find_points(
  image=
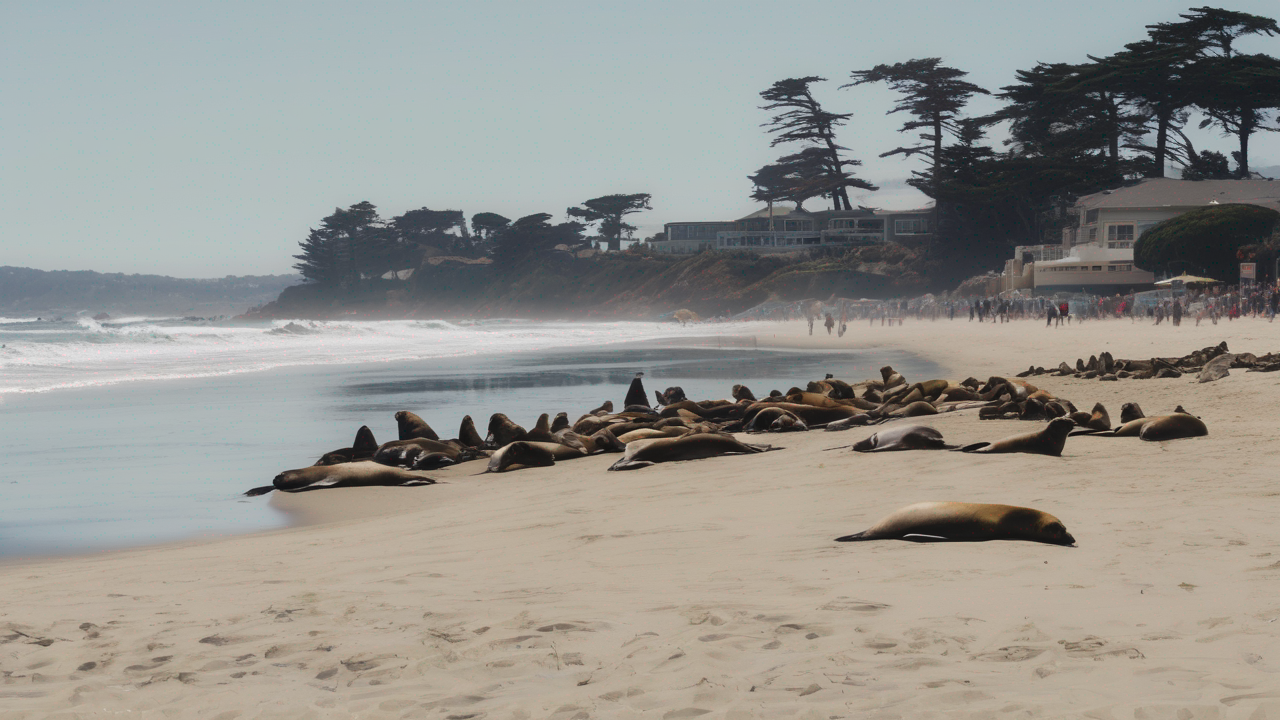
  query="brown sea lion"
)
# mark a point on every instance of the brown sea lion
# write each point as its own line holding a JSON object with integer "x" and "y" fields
{"x": 607, "y": 407}
{"x": 561, "y": 422}
{"x": 411, "y": 426}
{"x": 809, "y": 414}
{"x": 849, "y": 423}
{"x": 525, "y": 454}
{"x": 467, "y": 433}
{"x": 742, "y": 392}
{"x": 644, "y": 453}
{"x": 1049, "y": 440}
{"x": 541, "y": 431}
{"x": 502, "y": 431}
{"x": 650, "y": 433}
{"x": 361, "y": 473}
{"x": 766, "y": 419}
{"x": 1098, "y": 419}
{"x": 966, "y": 522}
{"x": 1173, "y": 427}
{"x": 362, "y": 448}
{"x": 891, "y": 377}
{"x": 903, "y": 437}
{"x": 916, "y": 409}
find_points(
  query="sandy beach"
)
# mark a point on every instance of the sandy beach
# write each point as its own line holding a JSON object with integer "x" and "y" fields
{"x": 714, "y": 587}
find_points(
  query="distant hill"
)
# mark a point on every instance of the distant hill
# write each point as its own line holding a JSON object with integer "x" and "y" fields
{"x": 25, "y": 291}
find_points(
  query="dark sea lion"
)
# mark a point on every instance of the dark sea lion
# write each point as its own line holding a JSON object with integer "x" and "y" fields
{"x": 607, "y": 407}
{"x": 1054, "y": 409}
{"x": 1049, "y": 440}
{"x": 690, "y": 447}
{"x": 891, "y": 377}
{"x": 966, "y": 522}
{"x": 635, "y": 394}
{"x": 808, "y": 413}
{"x": 411, "y": 426}
{"x": 1130, "y": 411}
{"x": 1173, "y": 427}
{"x": 361, "y": 473}
{"x": 467, "y": 433}
{"x": 905, "y": 437}
{"x": 1080, "y": 418}
{"x": 672, "y": 394}
{"x": 526, "y": 454}
{"x": 561, "y": 422}
{"x": 742, "y": 392}
{"x": 541, "y": 431}
{"x": 362, "y": 448}
{"x": 418, "y": 452}
{"x": 502, "y": 431}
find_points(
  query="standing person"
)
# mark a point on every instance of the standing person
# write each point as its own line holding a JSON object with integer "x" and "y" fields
{"x": 810, "y": 316}
{"x": 970, "y": 312}
{"x": 1177, "y": 314}
{"x": 1064, "y": 312}
{"x": 830, "y": 323}
{"x": 1050, "y": 314}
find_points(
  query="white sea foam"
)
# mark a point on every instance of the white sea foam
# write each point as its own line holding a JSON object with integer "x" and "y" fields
{"x": 42, "y": 355}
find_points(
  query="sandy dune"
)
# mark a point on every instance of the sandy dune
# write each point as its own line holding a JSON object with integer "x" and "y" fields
{"x": 713, "y": 587}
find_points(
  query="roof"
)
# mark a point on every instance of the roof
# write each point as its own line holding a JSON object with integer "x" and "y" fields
{"x": 1168, "y": 192}
{"x": 778, "y": 211}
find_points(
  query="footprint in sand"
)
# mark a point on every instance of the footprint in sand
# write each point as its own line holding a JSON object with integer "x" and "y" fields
{"x": 1013, "y": 653}
{"x": 848, "y": 604}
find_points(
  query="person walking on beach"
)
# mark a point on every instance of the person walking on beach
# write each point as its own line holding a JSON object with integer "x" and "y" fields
{"x": 810, "y": 324}
{"x": 1064, "y": 313}
{"x": 1050, "y": 314}
{"x": 830, "y": 323}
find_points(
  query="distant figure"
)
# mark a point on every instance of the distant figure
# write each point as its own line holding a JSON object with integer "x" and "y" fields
{"x": 1064, "y": 313}
{"x": 1050, "y": 314}
{"x": 810, "y": 324}
{"x": 830, "y": 323}
{"x": 1177, "y": 314}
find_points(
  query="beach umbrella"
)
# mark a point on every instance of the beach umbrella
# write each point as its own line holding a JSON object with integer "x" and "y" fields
{"x": 1190, "y": 280}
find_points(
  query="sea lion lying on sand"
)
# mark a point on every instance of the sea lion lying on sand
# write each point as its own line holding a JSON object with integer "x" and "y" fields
{"x": 1049, "y": 440}
{"x": 905, "y": 437}
{"x": 966, "y": 522}
{"x": 644, "y": 453}
{"x": 525, "y": 454}
{"x": 361, "y": 473}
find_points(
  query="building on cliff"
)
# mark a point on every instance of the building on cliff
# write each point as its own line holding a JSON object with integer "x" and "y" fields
{"x": 783, "y": 229}
{"x": 1096, "y": 252}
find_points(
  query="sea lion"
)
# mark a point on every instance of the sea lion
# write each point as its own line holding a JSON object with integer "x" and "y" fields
{"x": 1130, "y": 411}
{"x": 848, "y": 423}
{"x": 809, "y": 414}
{"x": 635, "y": 394}
{"x": 966, "y": 522}
{"x": 561, "y": 422}
{"x": 362, "y": 448}
{"x": 891, "y": 377}
{"x": 1049, "y": 440}
{"x": 411, "y": 426}
{"x": 361, "y": 473}
{"x": 607, "y": 407}
{"x": 1173, "y": 427}
{"x": 644, "y": 453}
{"x": 906, "y": 437}
{"x": 916, "y": 409}
{"x": 650, "y": 433}
{"x": 768, "y": 418}
{"x": 420, "y": 453}
{"x": 541, "y": 431}
{"x": 742, "y": 392}
{"x": 467, "y": 433}
{"x": 525, "y": 454}
{"x": 503, "y": 431}
{"x": 1098, "y": 419}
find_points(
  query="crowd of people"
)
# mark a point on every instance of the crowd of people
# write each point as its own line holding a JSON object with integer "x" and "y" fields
{"x": 1212, "y": 304}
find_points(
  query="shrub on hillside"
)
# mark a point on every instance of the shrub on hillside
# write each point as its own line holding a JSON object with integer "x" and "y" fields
{"x": 1205, "y": 241}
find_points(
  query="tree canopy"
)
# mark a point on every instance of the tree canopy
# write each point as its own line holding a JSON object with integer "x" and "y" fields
{"x": 609, "y": 211}
{"x": 1204, "y": 241}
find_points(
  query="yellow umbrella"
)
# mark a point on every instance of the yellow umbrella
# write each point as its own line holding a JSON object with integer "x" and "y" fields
{"x": 1190, "y": 280}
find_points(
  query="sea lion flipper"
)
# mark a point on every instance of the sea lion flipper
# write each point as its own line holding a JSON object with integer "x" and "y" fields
{"x": 259, "y": 491}
{"x": 917, "y": 537}
{"x": 975, "y": 447}
{"x": 854, "y": 537}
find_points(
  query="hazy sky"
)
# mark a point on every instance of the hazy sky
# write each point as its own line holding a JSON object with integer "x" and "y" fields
{"x": 204, "y": 139}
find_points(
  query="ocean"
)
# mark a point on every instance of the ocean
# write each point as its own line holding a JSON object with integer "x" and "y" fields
{"x": 146, "y": 430}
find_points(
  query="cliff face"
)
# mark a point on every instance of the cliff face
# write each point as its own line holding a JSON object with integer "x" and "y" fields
{"x": 624, "y": 285}
{"x": 25, "y": 291}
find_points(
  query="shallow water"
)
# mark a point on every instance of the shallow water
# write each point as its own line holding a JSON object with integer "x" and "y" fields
{"x": 135, "y": 463}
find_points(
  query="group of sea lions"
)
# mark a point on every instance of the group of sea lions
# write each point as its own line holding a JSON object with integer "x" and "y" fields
{"x": 677, "y": 429}
{"x": 1209, "y": 364}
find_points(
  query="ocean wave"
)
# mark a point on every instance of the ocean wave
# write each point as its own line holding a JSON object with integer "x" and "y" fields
{"x": 44, "y": 355}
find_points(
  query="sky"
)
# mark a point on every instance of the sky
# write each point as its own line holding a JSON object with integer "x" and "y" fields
{"x": 204, "y": 139}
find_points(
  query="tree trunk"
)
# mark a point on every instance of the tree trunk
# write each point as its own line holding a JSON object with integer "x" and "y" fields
{"x": 937, "y": 180}
{"x": 615, "y": 244}
{"x": 1113, "y": 133}
{"x": 1246, "y": 129}
{"x": 1162, "y": 144}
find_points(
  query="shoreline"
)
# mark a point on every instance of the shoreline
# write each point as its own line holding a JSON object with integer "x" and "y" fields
{"x": 617, "y": 594}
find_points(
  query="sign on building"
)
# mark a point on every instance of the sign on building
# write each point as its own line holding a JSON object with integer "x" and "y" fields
{"x": 1248, "y": 271}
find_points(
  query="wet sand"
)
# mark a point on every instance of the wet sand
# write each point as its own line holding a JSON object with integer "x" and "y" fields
{"x": 713, "y": 587}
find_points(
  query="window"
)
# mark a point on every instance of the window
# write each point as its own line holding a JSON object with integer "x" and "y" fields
{"x": 1091, "y": 217}
{"x": 1097, "y": 268}
{"x": 874, "y": 224}
{"x": 1093, "y": 234}
{"x": 911, "y": 227}
{"x": 1119, "y": 236}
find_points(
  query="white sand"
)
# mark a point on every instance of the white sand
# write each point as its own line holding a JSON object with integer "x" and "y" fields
{"x": 714, "y": 587}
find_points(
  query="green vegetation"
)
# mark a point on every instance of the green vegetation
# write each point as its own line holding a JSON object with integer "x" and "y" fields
{"x": 1206, "y": 242}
